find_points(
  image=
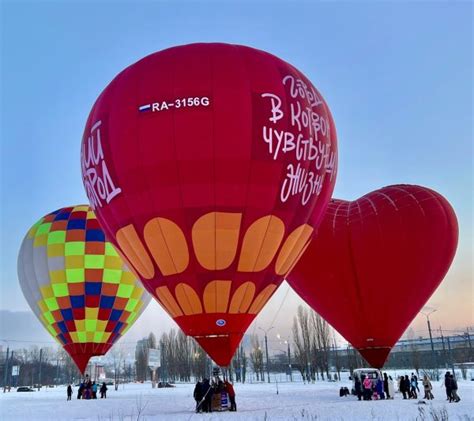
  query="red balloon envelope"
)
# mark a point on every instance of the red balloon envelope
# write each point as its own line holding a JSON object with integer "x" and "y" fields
{"x": 375, "y": 262}
{"x": 209, "y": 166}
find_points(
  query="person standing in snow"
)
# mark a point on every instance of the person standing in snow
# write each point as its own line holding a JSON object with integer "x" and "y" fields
{"x": 413, "y": 385}
{"x": 448, "y": 385}
{"x": 198, "y": 395}
{"x": 231, "y": 392}
{"x": 405, "y": 387}
{"x": 414, "y": 378}
{"x": 385, "y": 385}
{"x": 103, "y": 391}
{"x": 367, "y": 384}
{"x": 358, "y": 388}
{"x": 454, "y": 389}
{"x": 379, "y": 388}
{"x": 391, "y": 387}
{"x": 80, "y": 391}
{"x": 69, "y": 392}
{"x": 94, "y": 390}
{"x": 427, "y": 388}
{"x": 207, "y": 395}
{"x": 87, "y": 390}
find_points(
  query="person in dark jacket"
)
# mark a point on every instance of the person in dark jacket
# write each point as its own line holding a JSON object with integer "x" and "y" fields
{"x": 69, "y": 392}
{"x": 80, "y": 391}
{"x": 385, "y": 385}
{"x": 358, "y": 388}
{"x": 198, "y": 395}
{"x": 379, "y": 385}
{"x": 231, "y": 392}
{"x": 454, "y": 390}
{"x": 447, "y": 385}
{"x": 405, "y": 387}
{"x": 103, "y": 391}
{"x": 408, "y": 387}
{"x": 207, "y": 395}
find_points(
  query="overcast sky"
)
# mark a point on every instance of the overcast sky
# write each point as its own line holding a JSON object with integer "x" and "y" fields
{"x": 396, "y": 75}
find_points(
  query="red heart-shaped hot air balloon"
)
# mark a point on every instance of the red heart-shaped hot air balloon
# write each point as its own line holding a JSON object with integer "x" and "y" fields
{"x": 375, "y": 262}
{"x": 209, "y": 166}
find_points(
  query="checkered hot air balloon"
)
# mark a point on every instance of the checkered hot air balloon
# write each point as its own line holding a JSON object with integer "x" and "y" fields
{"x": 77, "y": 284}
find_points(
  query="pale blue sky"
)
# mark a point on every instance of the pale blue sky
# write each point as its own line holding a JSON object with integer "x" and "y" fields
{"x": 396, "y": 75}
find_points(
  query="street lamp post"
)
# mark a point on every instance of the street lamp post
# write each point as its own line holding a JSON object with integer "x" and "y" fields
{"x": 451, "y": 357}
{"x": 5, "y": 376}
{"x": 433, "y": 354}
{"x": 287, "y": 341}
{"x": 39, "y": 373}
{"x": 469, "y": 342}
{"x": 266, "y": 350}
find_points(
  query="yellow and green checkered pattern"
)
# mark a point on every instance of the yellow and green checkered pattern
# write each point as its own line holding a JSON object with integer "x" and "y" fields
{"x": 75, "y": 280}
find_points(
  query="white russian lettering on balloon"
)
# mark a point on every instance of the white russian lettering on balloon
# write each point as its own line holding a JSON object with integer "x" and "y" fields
{"x": 299, "y": 180}
{"x": 304, "y": 135}
{"x": 97, "y": 179}
{"x": 300, "y": 89}
{"x": 277, "y": 113}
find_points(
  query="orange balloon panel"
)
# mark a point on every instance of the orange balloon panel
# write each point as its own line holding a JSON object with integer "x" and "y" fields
{"x": 209, "y": 166}
{"x": 219, "y": 306}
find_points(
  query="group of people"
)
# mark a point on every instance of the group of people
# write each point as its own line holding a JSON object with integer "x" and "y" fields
{"x": 408, "y": 387}
{"x": 377, "y": 388}
{"x": 208, "y": 395}
{"x": 367, "y": 388}
{"x": 88, "y": 390}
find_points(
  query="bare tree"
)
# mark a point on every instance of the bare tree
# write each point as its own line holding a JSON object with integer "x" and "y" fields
{"x": 199, "y": 361}
{"x": 312, "y": 338}
{"x": 320, "y": 334}
{"x": 151, "y": 341}
{"x": 414, "y": 354}
{"x": 243, "y": 360}
{"x": 117, "y": 355}
{"x": 302, "y": 339}
{"x": 256, "y": 357}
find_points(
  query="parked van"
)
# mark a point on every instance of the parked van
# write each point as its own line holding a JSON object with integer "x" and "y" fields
{"x": 362, "y": 373}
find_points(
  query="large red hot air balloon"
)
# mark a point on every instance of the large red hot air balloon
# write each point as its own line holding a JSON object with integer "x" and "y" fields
{"x": 209, "y": 166}
{"x": 375, "y": 262}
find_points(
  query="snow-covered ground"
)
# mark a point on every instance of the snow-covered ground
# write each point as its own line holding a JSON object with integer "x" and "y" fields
{"x": 257, "y": 401}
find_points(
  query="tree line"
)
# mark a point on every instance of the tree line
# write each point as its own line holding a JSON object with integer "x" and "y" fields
{"x": 183, "y": 359}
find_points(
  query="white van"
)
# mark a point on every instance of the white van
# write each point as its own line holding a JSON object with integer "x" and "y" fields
{"x": 361, "y": 373}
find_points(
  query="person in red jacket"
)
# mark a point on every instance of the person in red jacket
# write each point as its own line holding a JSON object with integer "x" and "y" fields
{"x": 231, "y": 392}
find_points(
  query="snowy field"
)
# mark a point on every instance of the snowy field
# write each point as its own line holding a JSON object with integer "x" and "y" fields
{"x": 257, "y": 401}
